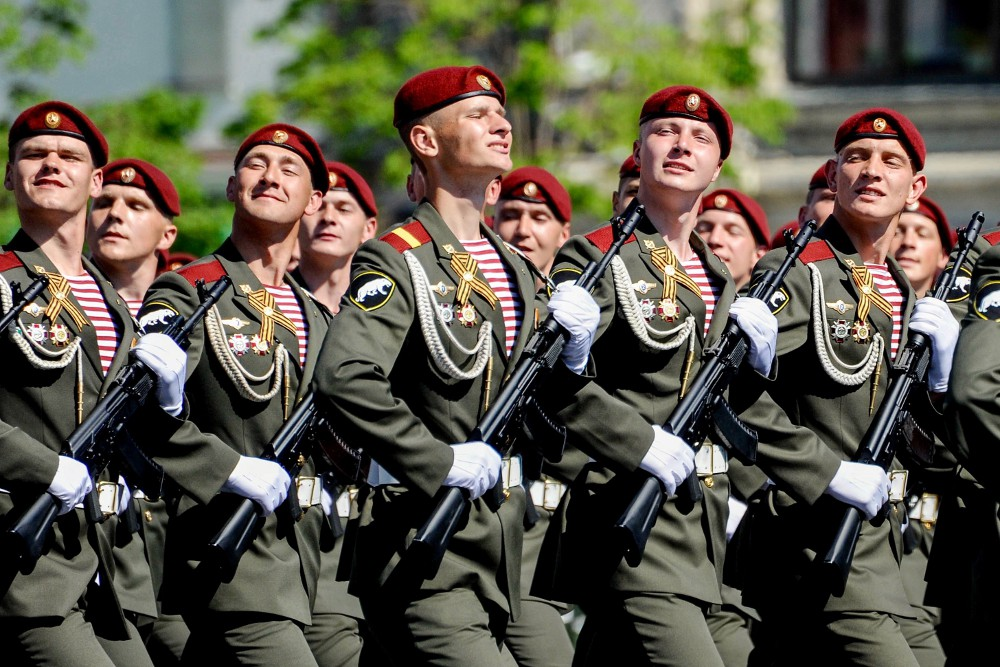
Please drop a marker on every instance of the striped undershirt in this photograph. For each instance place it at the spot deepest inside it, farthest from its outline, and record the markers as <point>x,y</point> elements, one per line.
<point>284,299</point>
<point>502,283</point>
<point>888,288</point>
<point>133,306</point>
<point>88,294</point>
<point>710,286</point>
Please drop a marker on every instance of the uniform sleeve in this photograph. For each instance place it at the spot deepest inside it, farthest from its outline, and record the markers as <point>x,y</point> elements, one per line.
<point>25,460</point>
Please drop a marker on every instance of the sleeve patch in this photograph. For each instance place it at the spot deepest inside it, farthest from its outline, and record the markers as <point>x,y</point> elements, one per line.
<point>960,289</point>
<point>988,301</point>
<point>568,274</point>
<point>371,290</point>
<point>156,317</point>
<point>778,301</point>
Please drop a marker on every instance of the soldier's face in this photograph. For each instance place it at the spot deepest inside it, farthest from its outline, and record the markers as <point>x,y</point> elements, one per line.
<point>52,174</point>
<point>728,235</point>
<point>918,249</point>
<point>532,229</point>
<point>126,226</point>
<point>627,190</point>
<point>337,228</point>
<point>273,185</point>
<point>475,136</point>
<point>818,207</point>
<point>679,154</point>
<point>874,180</point>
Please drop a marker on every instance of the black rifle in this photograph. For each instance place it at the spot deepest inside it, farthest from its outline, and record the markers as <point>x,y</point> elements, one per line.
<point>289,447</point>
<point>502,423</point>
<point>20,300</point>
<point>878,447</point>
<point>103,436</point>
<point>704,408</point>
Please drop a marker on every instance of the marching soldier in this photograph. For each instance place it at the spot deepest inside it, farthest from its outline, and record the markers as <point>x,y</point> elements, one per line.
<point>734,227</point>
<point>437,314</point>
<point>250,361</point>
<point>818,206</point>
<point>61,355</point>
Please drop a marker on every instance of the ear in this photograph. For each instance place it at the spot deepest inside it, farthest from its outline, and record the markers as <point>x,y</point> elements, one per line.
<point>917,188</point>
<point>564,234</point>
<point>231,189</point>
<point>614,200</point>
<point>831,174</point>
<point>368,233</point>
<point>635,151</point>
<point>718,171</point>
<point>96,183</point>
<point>802,214</point>
<point>168,238</point>
<point>8,178</point>
<point>315,201</point>
<point>424,140</point>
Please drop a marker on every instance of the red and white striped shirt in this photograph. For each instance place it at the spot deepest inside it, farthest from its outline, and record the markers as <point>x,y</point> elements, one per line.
<point>133,306</point>
<point>888,288</point>
<point>284,299</point>
<point>88,294</point>
<point>503,285</point>
<point>710,286</point>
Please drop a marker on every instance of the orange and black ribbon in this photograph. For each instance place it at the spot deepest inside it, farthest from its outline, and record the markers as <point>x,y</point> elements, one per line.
<point>465,266</point>
<point>666,262</point>
<point>263,301</point>
<point>60,291</point>
<point>869,294</point>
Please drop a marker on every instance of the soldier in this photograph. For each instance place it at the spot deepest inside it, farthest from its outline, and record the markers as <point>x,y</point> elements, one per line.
<point>844,311</point>
<point>437,313</point>
<point>328,240</point>
<point>818,206</point>
<point>251,361</point>
<point>628,186</point>
<point>129,233</point>
<point>61,355</point>
<point>662,290</point>
<point>734,227</point>
<point>533,214</point>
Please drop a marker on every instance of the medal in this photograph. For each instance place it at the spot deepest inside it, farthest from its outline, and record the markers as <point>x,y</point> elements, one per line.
<point>447,315</point>
<point>442,289</point>
<point>467,315</point>
<point>60,335</point>
<point>861,332</point>
<point>239,344</point>
<point>646,308</point>
<point>37,332</point>
<point>668,310</point>
<point>643,286</point>
<point>260,346</point>
<point>34,310</point>
<point>840,330</point>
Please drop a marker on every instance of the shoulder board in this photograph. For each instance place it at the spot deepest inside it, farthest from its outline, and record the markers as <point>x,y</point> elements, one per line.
<point>9,260</point>
<point>992,238</point>
<point>816,251</point>
<point>603,238</point>
<point>207,271</point>
<point>406,237</point>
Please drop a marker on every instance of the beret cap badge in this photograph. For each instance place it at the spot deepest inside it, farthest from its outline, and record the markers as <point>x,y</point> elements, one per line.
<point>52,120</point>
<point>484,81</point>
<point>128,175</point>
<point>721,201</point>
<point>692,102</point>
<point>333,180</point>
<point>279,137</point>
<point>530,189</point>
<point>879,124</point>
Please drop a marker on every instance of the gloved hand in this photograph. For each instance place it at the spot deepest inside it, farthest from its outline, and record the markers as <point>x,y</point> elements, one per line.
<point>264,482</point>
<point>933,318</point>
<point>328,501</point>
<point>737,509</point>
<point>761,328</point>
<point>70,484</point>
<point>169,362</point>
<point>476,468</point>
<point>669,458</point>
<point>862,485</point>
<point>577,312</point>
<point>124,496</point>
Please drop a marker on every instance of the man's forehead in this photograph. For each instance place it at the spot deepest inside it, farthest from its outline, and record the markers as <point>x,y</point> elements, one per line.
<point>887,145</point>
<point>719,216</point>
<point>53,141</point>
<point>520,205</point>
<point>338,196</point>
<point>916,219</point>
<point>273,153</point>
<point>128,192</point>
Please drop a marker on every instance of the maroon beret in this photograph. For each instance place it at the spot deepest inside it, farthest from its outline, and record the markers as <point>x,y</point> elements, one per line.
<point>778,240</point>
<point>734,201</point>
<point>294,139</point>
<point>343,177</point>
<point>690,102</point>
<point>54,117</point>
<point>818,180</point>
<point>437,88</point>
<point>628,168</point>
<point>534,184</point>
<point>928,208</point>
<point>882,123</point>
<point>140,174</point>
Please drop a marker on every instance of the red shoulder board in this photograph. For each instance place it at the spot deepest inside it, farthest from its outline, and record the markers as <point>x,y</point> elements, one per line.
<point>406,237</point>
<point>208,271</point>
<point>603,238</point>
<point>816,251</point>
<point>9,260</point>
<point>992,238</point>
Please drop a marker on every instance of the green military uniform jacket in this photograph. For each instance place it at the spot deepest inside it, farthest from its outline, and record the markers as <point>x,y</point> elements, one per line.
<point>610,417</point>
<point>389,395</point>
<point>237,395</point>
<point>810,419</point>
<point>39,404</point>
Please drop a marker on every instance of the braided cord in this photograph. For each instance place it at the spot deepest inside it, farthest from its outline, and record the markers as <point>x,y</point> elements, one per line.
<point>235,370</point>
<point>824,348</point>
<point>633,314</point>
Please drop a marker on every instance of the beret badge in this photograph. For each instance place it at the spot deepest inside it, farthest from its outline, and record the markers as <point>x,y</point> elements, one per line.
<point>279,137</point>
<point>52,120</point>
<point>530,189</point>
<point>879,124</point>
<point>721,201</point>
<point>333,180</point>
<point>128,175</point>
<point>692,102</point>
<point>484,81</point>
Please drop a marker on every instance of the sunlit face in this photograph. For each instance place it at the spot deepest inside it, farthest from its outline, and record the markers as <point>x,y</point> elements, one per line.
<point>532,228</point>
<point>272,185</point>
<point>628,188</point>
<point>125,225</point>
<point>475,135</point>
<point>874,180</point>
<point>680,154</point>
<point>337,228</point>
<point>728,235</point>
<point>52,173</point>
<point>918,249</point>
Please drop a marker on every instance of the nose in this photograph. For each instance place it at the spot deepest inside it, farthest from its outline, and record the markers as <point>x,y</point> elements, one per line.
<point>502,126</point>
<point>524,225</point>
<point>117,209</point>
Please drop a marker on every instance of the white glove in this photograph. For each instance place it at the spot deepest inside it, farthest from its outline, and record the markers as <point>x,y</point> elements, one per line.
<point>264,482</point>
<point>862,485</point>
<point>169,362</point>
<point>933,318</point>
<point>577,312</point>
<point>737,508</point>
<point>761,328</point>
<point>476,468</point>
<point>124,497</point>
<point>70,484</point>
<point>328,501</point>
<point>669,458</point>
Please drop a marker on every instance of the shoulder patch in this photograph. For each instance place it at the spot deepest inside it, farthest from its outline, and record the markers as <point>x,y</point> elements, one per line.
<point>816,251</point>
<point>207,271</point>
<point>993,237</point>
<point>9,260</point>
<point>603,238</point>
<point>406,237</point>
<point>960,288</point>
<point>566,274</point>
<point>156,316</point>
<point>778,300</point>
<point>987,304</point>
<point>371,290</point>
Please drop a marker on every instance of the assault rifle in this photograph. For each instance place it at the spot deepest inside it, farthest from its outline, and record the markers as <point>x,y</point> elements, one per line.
<point>703,408</point>
<point>22,299</point>
<point>103,436</point>
<point>887,429</point>
<point>502,423</point>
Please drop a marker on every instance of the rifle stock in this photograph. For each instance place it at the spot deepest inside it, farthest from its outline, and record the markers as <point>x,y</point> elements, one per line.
<point>501,421</point>
<point>92,441</point>
<point>878,446</point>
<point>695,412</point>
